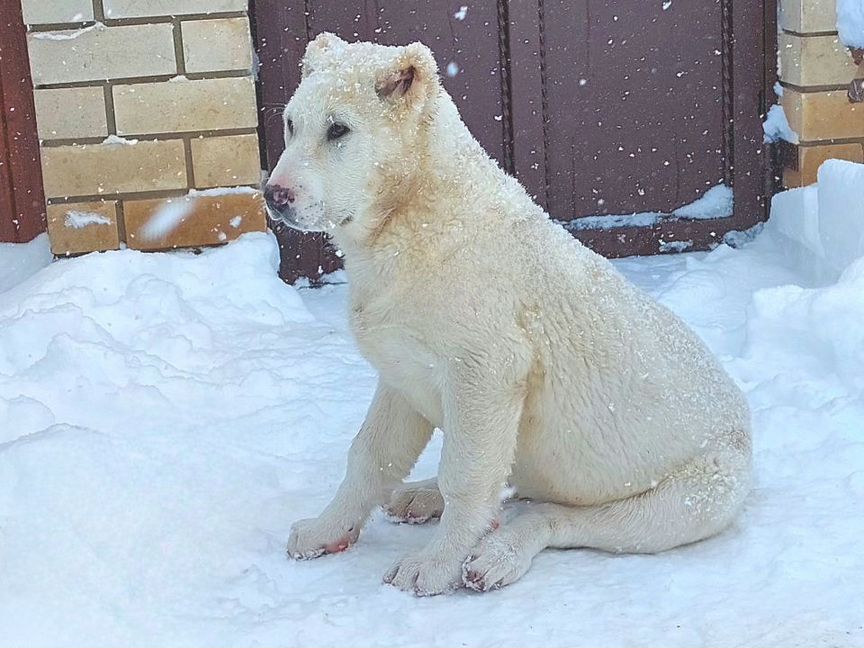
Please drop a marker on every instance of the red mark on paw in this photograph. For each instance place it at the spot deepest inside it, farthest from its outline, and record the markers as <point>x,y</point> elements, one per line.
<point>339,546</point>
<point>495,524</point>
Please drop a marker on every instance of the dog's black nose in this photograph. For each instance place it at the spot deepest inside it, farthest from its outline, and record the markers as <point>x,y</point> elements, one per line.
<point>279,199</point>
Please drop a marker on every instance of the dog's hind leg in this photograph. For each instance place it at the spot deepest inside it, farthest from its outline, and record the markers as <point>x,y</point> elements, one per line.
<point>696,502</point>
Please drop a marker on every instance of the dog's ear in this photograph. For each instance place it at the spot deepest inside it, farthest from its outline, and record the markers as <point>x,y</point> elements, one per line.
<point>322,45</point>
<point>413,78</point>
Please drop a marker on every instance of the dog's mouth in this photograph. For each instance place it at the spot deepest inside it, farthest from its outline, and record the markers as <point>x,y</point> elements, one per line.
<point>280,221</point>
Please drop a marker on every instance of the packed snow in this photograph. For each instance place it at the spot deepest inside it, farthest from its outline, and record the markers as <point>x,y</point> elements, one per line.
<point>65,35</point>
<point>716,202</point>
<point>116,139</point>
<point>165,417</point>
<point>18,261</point>
<point>850,22</point>
<point>776,126</point>
<point>80,219</point>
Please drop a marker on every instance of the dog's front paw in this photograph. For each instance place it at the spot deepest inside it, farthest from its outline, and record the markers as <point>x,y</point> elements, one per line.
<point>426,573</point>
<point>315,537</point>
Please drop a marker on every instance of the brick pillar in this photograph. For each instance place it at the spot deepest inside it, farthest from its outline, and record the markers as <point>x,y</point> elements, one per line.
<point>815,71</point>
<point>147,116</point>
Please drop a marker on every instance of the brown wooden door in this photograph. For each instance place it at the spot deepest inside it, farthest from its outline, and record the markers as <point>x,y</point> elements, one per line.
<point>599,108</point>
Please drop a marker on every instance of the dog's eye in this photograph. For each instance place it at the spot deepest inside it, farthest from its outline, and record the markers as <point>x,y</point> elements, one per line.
<point>289,125</point>
<point>336,131</point>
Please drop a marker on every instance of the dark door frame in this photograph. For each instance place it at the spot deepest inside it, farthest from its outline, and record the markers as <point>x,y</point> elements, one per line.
<point>22,200</point>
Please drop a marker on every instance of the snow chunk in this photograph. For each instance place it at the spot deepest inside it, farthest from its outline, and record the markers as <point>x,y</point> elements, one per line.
<point>717,202</point>
<point>795,214</point>
<point>18,261</point>
<point>841,212</point>
<point>116,139</point>
<point>825,221</point>
<point>776,127</point>
<point>235,221</point>
<point>67,34</point>
<point>850,22</point>
<point>452,69</point>
<point>714,203</point>
<point>645,219</point>
<point>223,191</point>
<point>80,219</point>
<point>675,246</point>
<point>460,15</point>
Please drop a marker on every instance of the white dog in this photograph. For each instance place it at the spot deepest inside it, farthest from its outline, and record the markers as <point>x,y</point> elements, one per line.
<point>542,365</point>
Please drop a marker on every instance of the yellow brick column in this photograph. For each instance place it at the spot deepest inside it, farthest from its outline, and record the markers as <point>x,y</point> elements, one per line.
<point>147,115</point>
<point>815,71</point>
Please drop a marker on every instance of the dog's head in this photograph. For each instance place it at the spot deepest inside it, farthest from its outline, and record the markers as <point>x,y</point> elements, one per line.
<point>354,130</point>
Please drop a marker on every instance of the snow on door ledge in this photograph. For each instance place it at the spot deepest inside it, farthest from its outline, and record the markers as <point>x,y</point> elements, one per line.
<point>717,202</point>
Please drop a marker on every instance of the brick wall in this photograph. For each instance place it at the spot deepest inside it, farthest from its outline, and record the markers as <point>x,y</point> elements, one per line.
<point>815,71</point>
<point>147,117</point>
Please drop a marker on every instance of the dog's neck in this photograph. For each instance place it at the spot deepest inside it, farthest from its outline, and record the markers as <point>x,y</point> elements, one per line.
<point>451,165</point>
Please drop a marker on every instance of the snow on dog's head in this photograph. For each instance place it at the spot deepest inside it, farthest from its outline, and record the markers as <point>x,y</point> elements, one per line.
<point>354,131</point>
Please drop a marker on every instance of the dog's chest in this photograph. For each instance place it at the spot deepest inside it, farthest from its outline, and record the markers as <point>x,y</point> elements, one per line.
<point>403,361</point>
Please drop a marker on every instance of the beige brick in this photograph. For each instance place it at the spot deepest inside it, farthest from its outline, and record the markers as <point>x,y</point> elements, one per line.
<point>792,179</point>
<point>67,113</point>
<point>179,106</point>
<point>95,169</point>
<point>815,60</point>
<point>219,44</point>
<point>805,16</point>
<point>226,161</point>
<point>39,12</point>
<point>140,8</point>
<point>74,228</point>
<point>97,53</point>
<point>205,218</point>
<point>810,158</point>
<point>818,116</point>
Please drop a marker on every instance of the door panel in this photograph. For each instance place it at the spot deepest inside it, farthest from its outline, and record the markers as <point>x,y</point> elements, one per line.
<point>633,110</point>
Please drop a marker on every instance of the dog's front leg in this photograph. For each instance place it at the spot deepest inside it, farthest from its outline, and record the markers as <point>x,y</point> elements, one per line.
<point>481,421</point>
<point>381,456</point>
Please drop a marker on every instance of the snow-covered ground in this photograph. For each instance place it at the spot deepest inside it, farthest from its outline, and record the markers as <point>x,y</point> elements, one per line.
<point>165,417</point>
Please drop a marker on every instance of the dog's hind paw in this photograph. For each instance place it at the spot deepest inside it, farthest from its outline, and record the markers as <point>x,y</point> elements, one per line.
<point>415,503</point>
